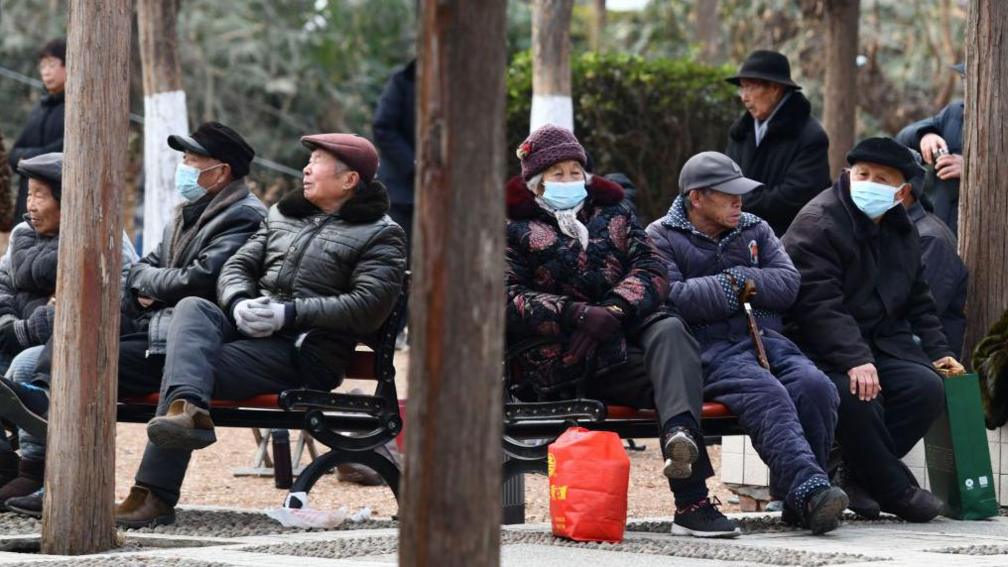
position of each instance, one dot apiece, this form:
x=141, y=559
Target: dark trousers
x=875, y=435
x=663, y=374
x=789, y=411
x=207, y=358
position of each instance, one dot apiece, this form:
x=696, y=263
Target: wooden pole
x=451, y=506
x=80, y=469
x=983, y=202
x=840, y=90
x=164, y=113
x=599, y=16
x=551, y=71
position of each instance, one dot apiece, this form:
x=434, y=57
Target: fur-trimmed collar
x=521, y=203
x=367, y=205
x=786, y=123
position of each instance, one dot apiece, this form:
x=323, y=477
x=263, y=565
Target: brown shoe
x=29, y=479
x=142, y=509
x=185, y=426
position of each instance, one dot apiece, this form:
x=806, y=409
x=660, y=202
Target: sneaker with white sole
x=681, y=451
x=703, y=519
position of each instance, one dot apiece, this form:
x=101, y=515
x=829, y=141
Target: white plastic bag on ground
x=295, y=513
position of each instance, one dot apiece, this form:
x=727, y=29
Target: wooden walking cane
x=745, y=295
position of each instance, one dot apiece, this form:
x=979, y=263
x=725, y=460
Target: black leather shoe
x=915, y=505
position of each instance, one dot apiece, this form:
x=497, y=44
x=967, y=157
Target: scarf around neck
x=568, y=221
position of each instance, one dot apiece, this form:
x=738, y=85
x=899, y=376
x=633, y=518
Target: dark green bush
x=643, y=118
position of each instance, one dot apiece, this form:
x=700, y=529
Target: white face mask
x=874, y=199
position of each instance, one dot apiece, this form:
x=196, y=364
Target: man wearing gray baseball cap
x=731, y=280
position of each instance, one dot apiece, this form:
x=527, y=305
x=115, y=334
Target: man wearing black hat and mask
x=217, y=217
x=777, y=141
x=865, y=316
x=939, y=139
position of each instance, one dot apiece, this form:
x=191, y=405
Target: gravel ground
x=686, y=547
x=138, y=561
x=973, y=550
x=210, y=482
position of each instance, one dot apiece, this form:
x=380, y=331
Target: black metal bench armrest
x=566, y=410
x=299, y=400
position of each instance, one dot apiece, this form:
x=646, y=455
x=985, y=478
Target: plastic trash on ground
x=295, y=513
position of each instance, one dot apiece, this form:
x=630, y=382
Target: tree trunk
x=551, y=72
x=451, y=506
x=983, y=203
x=707, y=31
x=164, y=113
x=598, y=25
x=840, y=99
x=80, y=474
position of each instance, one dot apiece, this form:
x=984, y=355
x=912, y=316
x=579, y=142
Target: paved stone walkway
x=204, y=539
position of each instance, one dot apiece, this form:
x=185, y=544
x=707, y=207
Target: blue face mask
x=187, y=182
x=874, y=199
x=564, y=195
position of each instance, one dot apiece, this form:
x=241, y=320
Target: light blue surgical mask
x=187, y=182
x=564, y=195
x=874, y=199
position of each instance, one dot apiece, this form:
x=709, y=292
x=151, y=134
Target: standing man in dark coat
x=43, y=133
x=939, y=139
x=395, y=132
x=777, y=141
x=866, y=317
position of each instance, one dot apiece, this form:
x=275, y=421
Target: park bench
x=529, y=428
x=351, y=426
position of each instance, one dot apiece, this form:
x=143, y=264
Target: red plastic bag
x=589, y=472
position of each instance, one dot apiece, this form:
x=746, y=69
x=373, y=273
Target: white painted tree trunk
x=164, y=115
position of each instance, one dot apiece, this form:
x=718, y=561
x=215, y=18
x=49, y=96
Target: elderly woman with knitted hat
x=582, y=274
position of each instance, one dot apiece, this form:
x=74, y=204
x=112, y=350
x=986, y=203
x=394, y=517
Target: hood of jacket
x=367, y=205
x=521, y=204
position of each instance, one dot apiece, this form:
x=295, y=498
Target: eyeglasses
x=49, y=63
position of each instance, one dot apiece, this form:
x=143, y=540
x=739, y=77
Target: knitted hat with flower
x=546, y=146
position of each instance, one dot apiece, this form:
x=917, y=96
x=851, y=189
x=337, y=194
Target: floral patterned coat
x=548, y=271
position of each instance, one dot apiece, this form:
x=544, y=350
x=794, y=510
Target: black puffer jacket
x=791, y=162
x=192, y=252
x=27, y=272
x=342, y=271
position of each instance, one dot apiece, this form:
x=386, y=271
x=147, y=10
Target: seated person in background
x=27, y=289
x=581, y=272
x=944, y=270
x=325, y=268
x=866, y=317
x=715, y=255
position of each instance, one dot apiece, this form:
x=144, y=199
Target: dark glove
x=9, y=342
x=581, y=344
x=599, y=323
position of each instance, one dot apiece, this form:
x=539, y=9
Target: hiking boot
x=184, y=426
x=25, y=405
x=681, y=451
x=915, y=505
x=142, y=509
x=30, y=505
x=30, y=475
x=9, y=462
x=823, y=510
x=703, y=519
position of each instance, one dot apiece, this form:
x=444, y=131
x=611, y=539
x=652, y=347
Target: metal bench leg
x=513, y=487
x=327, y=462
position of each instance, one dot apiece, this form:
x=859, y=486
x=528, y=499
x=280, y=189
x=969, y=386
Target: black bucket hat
x=765, y=65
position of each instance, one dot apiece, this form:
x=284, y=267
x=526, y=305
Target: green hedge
x=644, y=118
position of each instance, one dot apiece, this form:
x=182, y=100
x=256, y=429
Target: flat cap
x=219, y=142
x=46, y=167
x=357, y=152
x=885, y=151
x=714, y=170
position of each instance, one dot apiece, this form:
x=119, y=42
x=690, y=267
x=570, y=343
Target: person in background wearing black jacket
x=43, y=132
x=777, y=141
x=865, y=316
x=395, y=132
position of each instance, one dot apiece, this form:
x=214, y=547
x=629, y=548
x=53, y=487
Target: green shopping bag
x=958, y=458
